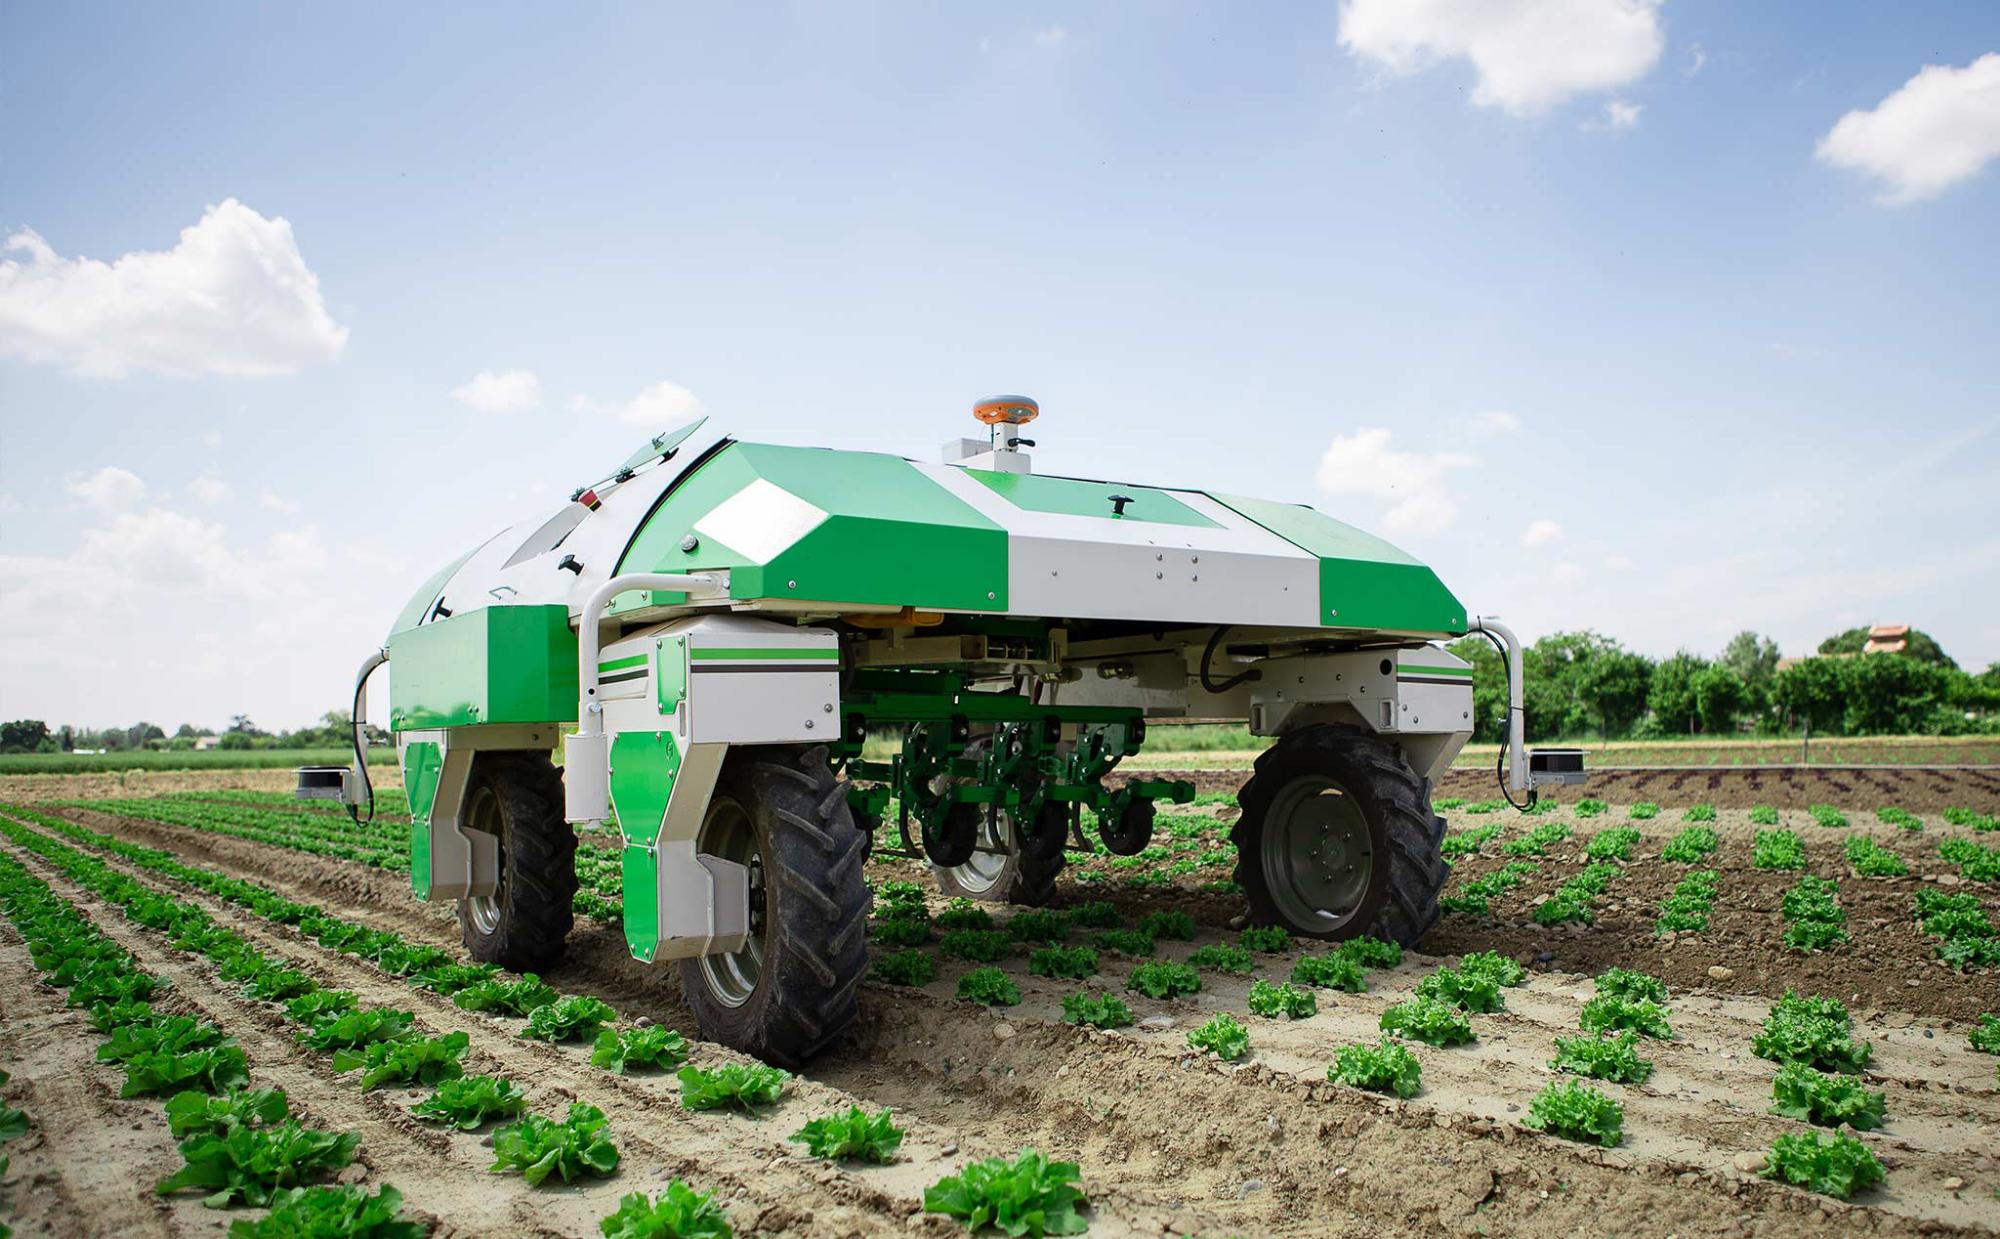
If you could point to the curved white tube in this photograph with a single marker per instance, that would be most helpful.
(1517, 763)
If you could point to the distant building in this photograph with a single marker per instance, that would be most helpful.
(1887, 639)
(202, 743)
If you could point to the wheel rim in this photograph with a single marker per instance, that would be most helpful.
(992, 858)
(1318, 854)
(483, 813)
(728, 834)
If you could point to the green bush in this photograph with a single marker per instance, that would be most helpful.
(743, 1086)
(1040, 925)
(1073, 962)
(1371, 952)
(1699, 813)
(1500, 969)
(978, 945)
(1828, 816)
(1176, 925)
(1626, 983)
(1134, 942)
(1645, 810)
(1613, 843)
(1871, 860)
(538, 1147)
(1901, 818)
(1763, 815)
(962, 914)
(1267, 939)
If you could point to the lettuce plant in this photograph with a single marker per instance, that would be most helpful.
(538, 1147)
(1286, 1001)
(1096, 1010)
(744, 1086)
(990, 986)
(652, 1046)
(1223, 1037)
(1837, 1166)
(852, 1134)
(678, 1212)
(470, 1101)
(1385, 1068)
(1576, 1111)
(1029, 1196)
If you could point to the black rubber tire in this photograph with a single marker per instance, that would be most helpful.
(1401, 900)
(1027, 877)
(537, 865)
(815, 915)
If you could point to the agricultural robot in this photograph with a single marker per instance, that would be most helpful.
(720, 635)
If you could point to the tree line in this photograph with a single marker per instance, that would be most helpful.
(1579, 684)
(29, 735)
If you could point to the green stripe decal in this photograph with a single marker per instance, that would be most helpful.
(761, 654)
(619, 664)
(1463, 671)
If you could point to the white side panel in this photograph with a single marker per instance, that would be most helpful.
(1235, 571)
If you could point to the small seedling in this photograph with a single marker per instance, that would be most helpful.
(741, 1085)
(1223, 1037)
(1096, 1010)
(852, 1135)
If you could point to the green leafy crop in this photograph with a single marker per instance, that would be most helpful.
(1685, 909)
(1371, 952)
(1693, 843)
(1467, 991)
(1286, 1001)
(351, 1030)
(964, 914)
(1503, 970)
(852, 1134)
(320, 1006)
(1699, 813)
(1958, 816)
(742, 1085)
(1335, 970)
(902, 932)
(904, 968)
(1838, 1165)
(195, 1113)
(899, 898)
(448, 979)
(1074, 962)
(990, 986)
(652, 1046)
(1385, 1068)
(576, 1018)
(1777, 849)
(1161, 980)
(1901, 818)
(1816, 1032)
(1176, 925)
(981, 945)
(1871, 860)
(1096, 1010)
(1040, 925)
(1627, 983)
(415, 1060)
(1134, 942)
(1645, 810)
(164, 1072)
(1537, 841)
(1466, 841)
(1827, 815)
(1223, 958)
(1603, 1058)
(1029, 1196)
(1763, 815)
(506, 997)
(678, 1212)
(1613, 1013)
(174, 1034)
(1223, 1037)
(538, 1147)
(1429, 1021)
(1814, 913)
(324, 1212)
(1975, 863)
(1825, 1100)
(1575, 1111)
(252, 1164)
(1590, 806)
(1985, 1036)
(1613, 843)
(1266, 939)
(470, 1101)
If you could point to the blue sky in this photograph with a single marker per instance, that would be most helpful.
(1585, 301)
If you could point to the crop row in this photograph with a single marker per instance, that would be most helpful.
(383, 1045)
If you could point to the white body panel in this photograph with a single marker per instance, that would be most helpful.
(1061, 564)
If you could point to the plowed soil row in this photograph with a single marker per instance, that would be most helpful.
(1169, 1141)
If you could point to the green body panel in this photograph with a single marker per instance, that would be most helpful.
(1459, 672)
(891, 535)
(1077, 497)
(422, 764)
(1364, 582)
(420, 602)
(499, 664)
(643, 766)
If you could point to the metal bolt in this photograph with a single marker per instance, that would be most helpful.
(809, 724)
(1159, 576)
(989, 595)
(791, 584)
(689, 542)
(827, 708)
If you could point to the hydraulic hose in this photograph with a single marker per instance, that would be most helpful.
(359, 718)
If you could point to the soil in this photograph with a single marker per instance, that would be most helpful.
(1170, 1141)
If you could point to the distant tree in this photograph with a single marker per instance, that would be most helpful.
(1754, 659)
(1489, 687)
(1720, 697)
(1922, 646)
(66, 738)
(1672, 698)
(138, 735)
(25, 735)
(188, 731)
(234, 740)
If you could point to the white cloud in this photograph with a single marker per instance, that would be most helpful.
(1492, 423)
(110, 488)
(502, 391)
(1413, 483)
(1937, 129)
(1566, 573)
(1617, 114)
(1697, 60)
(211, 439)
(233, 297)
(274, 502)
(1618, 563)
(662, 406)
(1528, 55)
(1051, 36)
(210, 489)
(1541, 533)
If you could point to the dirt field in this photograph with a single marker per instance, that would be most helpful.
(1170, 1141)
